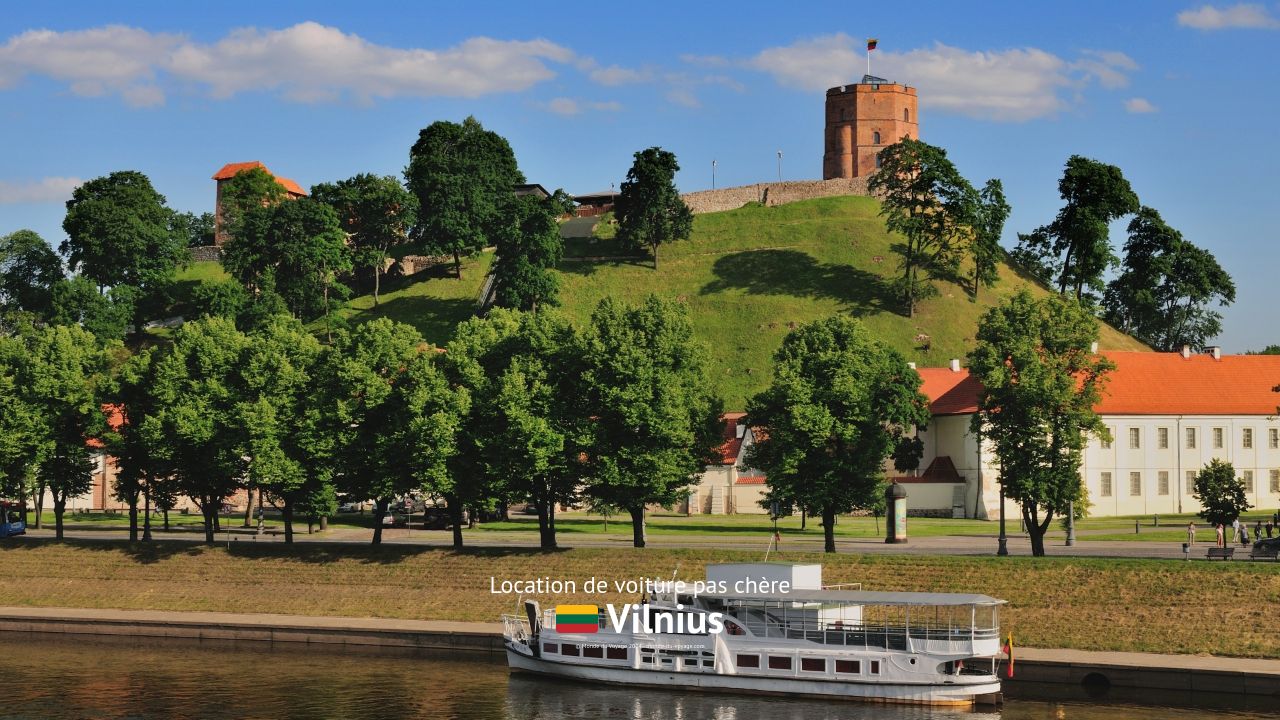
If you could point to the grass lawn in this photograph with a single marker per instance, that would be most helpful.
(749, 525)
(433, 301)
(1086, 603)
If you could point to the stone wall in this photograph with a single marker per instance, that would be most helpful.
(774, 193)
(206, 253)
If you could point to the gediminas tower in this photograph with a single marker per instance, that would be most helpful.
(862, 120)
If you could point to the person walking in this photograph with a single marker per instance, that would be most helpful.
(1257, 531)
(1235, 531)
(1191, 534)
(1221, 532)
(1244, 534)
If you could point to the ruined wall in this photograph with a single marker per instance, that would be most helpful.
(773, 193)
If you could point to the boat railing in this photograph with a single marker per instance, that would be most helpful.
(889, 636)
(515, 629)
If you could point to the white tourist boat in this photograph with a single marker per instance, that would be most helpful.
(813, 640)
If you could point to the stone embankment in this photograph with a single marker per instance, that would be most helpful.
(774, 193)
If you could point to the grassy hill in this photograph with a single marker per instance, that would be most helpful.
(748, 276)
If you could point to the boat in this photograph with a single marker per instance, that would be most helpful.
(772, 628)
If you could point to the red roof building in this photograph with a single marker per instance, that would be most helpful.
(292, 190)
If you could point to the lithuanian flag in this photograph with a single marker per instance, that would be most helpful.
(577, 618)
(871, 44)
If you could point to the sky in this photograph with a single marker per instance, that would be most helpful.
(1182, 97)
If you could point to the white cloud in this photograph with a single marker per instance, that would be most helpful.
(1008, 85)
(615, 75)
(307, 62)
(706, 60)
(569, 107)
(1244, 15)
(684, 97)
(44, 190)
(1140, 105)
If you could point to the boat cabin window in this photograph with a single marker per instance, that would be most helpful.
(593, 651)
(550, 648)
(875, 667)
(616, 653)
(779, 662)
(748, 661)
(691, 662)
(813, 665)
(849, 667)
(569, 649)
(709, 663)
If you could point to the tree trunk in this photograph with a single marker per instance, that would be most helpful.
(457, 264)
(803, 516)
(454, 503)
(59, 507)
(546, 525)
(286, 513)
(324, 523)
(133, 517)
(146, 518)
(377, 277)
(637, 525)
(166, 519)
(39, 503)
(655, 256)
(248, 507)
(210, 514)
(1036, 530)
(828, 529)
(379, 512)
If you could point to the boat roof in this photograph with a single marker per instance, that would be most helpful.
(861, 597)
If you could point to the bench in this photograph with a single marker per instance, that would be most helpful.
(1222, 553)
(1261, 553)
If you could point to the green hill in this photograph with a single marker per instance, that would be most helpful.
(747, 276)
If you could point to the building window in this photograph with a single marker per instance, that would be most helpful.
(813, 665)
(1246, 438)
(875, 667)
(1217, 439)
(615, 653)
(1274, 441)
(1191, 438)
(1135, 483)
(876, 137)
(1191, 481)
(1162, 438)
(1162, 482)
(748, 661)
(1106, 441)
(1135, 438)
(1106, 484)
(1248, 481)
(779, 662)
(849, 667)
(906, 115)
(1275, 481)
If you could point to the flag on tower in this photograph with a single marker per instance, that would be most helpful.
(871, 44)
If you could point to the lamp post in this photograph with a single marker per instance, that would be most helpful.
(1004, 539)
(1071, 523)
(713, 174)
(779, 166)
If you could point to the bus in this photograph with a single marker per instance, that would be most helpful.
(11, 519)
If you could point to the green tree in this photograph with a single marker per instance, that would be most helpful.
(139, 460)
(23, 434)
(28, 271)
(992, 212)
(1040, 383)
(245, 192)
(195, 417)
(649, 209)
(376, 213)
(1268, 350)
(195, 230)
(228, 299)
(1163, 293)
(119, 234)
(525, 430)
(1221, 494)
(925, 200)
(1075, 249)
(529, 247)
(77, 301)
(462, 175)
(841, 403)
(654, 421)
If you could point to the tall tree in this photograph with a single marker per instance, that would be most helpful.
(649, 209)
(1163, 293)
(1221, 494)
(28, 271)
(245, 192)
(76, 301)
(195, 230)
(840, 405)
(139, 460)
(1040, 383)
(992, 212)
(1075, 249)
(462, 175)
(654, 421)
(925, 200)
(376, 213)
(529, 246)
(119, 233)
(23, 432)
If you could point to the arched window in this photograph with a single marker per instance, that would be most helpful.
(879, 160)
(906, 115)
(877, 137)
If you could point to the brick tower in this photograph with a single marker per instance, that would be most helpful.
(861, 120)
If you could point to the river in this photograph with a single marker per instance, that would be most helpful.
(57, 678)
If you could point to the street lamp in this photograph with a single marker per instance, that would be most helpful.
(1004, 539)
(779, 166)
(1071, 523)
(713, 174)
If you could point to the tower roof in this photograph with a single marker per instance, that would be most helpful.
(230, 170)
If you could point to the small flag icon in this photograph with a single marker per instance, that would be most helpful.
(577, 618)
(871, 44)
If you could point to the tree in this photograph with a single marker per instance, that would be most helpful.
(523, 437)
(376, 213)
(28, 271)
(76, 301)
(1040, 383)
(1268, 350)
(119, 233)
(1221, 494)
(294, 250)
(649, 209)
(992, 212)
(654, 421)
(841, 403)
(1075, 249)
(195, 230)
(529, 246)
(462, 175)
(139, 460)
(1162, 294)
(244, 192)
(195, 413)
(926, 200)
(22, 428)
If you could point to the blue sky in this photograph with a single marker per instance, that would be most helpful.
(1182, 97)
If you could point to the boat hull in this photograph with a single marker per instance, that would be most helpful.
(886, 692)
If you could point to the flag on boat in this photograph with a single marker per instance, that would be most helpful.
(1008, 650)
(577, 618)
(871, 44)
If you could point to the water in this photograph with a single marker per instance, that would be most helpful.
(53, 678)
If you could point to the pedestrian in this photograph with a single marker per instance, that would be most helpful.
(1235, 531)
(1269, 528)
(1221, 532)
(1257, 530)
(1191, 533)
(1244, 534)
